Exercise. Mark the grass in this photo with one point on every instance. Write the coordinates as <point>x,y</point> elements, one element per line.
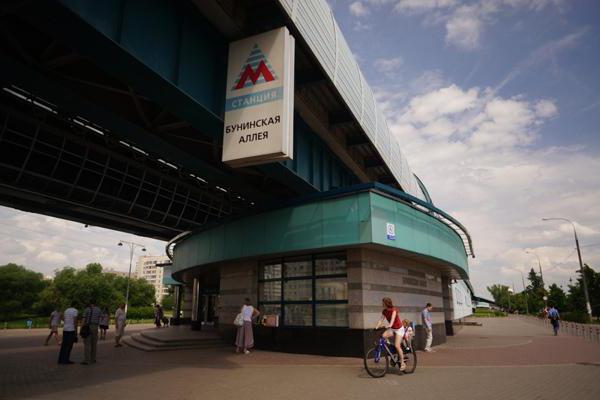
<point>42,323</point>
<point>486,313</point>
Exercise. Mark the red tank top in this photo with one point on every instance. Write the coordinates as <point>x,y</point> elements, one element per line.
<point>387,313</point>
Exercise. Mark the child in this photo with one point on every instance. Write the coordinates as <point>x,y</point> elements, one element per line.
<point>408,330</point>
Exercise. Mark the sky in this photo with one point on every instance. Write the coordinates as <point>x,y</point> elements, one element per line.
<point>496,104</point>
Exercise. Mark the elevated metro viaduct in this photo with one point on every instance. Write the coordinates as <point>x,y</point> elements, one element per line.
<point>111,114</point>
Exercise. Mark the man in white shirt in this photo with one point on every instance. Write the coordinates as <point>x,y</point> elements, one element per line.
<point>69,334</point>
<point>427,324</point>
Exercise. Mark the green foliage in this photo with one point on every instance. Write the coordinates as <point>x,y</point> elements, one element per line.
<point>79,287</point>
<point>486,312</point>
<point>20,289</point>
<point>571,305</point>
<point>168,302</point>
<point>574,316</point>
<point>557,297</point>
<point>140,312</point>
<point>535,292</point>
<point>576,298</point>
<point>500,294</point>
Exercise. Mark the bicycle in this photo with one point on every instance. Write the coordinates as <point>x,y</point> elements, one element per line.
<point>377,359</point>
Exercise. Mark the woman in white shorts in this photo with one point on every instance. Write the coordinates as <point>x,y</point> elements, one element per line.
<point>392,317</point>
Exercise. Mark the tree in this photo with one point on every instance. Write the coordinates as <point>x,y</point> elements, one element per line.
<point>557,297</point>
<point>500,294</point>
<point>535,291</point>
<point>576,297</point>
<point>78,287</point>
<point>19,290</point>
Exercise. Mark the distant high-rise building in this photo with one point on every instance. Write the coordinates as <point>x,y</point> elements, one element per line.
<point>146,268</point>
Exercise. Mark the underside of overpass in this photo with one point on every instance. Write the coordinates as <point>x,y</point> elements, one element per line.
<point>111,114</point>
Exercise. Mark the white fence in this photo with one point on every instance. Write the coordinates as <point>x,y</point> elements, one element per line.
<point>589,332</point>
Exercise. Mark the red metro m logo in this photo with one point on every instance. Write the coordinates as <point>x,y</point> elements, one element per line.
<point>256,70</point>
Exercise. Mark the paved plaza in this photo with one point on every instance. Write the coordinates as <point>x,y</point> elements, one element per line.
<point>506,358</point>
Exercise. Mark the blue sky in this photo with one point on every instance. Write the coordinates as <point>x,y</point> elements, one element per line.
<point>507,40</point>
<point>496,104</point>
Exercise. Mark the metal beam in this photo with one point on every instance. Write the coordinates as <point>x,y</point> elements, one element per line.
<point>357,141</point>
<point>340,118</point>
<point>373,162</point>
<point>24,77</point>
<point>309,77</point>
<point>310,116</point>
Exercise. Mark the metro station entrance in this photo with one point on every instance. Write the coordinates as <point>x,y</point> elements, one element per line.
<point>205,300</point>
<point>208,307</point>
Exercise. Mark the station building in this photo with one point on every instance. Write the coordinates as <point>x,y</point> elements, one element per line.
<point>322,262</point>
<point>123,114</point>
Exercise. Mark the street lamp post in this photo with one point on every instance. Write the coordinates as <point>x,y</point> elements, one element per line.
<point>539,264</point>
<point>585,289</point>
<point>526,296</point>
<point>132,246</point>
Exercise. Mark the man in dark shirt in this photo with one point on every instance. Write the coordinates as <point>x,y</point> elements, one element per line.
<point>91,318</point>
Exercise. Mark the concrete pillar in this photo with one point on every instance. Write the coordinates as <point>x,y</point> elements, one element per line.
<point>447,297</point>
<point>177,306</point>
<point>187,302</point>
<point>196,323</point>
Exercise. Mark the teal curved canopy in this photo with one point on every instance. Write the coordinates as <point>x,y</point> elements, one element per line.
<point>350,219</point>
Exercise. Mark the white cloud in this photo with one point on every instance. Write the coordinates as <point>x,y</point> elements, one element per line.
<point>475,152</point>
<point>465,22</point>
<point>412,6</point>
<point>358,9</point>
<point>388,66</point>
<point>53,257</point>
<point>463,28</point>
<point>546,108</point>
<point>361,26</point>
<point>45,243</point>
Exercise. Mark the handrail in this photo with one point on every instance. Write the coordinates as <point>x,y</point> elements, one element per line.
<point>171,244</point>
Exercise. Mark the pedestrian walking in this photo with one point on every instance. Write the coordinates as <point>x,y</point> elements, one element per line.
<point>119,324</point>
<point>554,317</point>
<point>91,320</point>
<point>245,337</point>
<point>428,326</point>
<point>53,323</point>
<point>104,319</point>
<point>69,334</point>
<point>158,315</point>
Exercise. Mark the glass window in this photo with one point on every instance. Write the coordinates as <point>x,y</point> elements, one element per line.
<point>270,271</point>
<point>298,314</point>
<point>332,314</point>
<point>269,291</point>
<point>298,290</point>
<point>298,268</point>
<point>270,309</point>
<point>316,281</point>
<point>332,289</point>
<point>330,265</point>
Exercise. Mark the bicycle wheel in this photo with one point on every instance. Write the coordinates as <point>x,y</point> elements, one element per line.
<point>410,359</point>
<point>376,362</point>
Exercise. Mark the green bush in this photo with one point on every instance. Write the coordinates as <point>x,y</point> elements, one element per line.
<point>575,316</point>
<point>140,313</point>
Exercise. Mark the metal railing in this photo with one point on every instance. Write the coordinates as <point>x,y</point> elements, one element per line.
<point>589,332</point>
